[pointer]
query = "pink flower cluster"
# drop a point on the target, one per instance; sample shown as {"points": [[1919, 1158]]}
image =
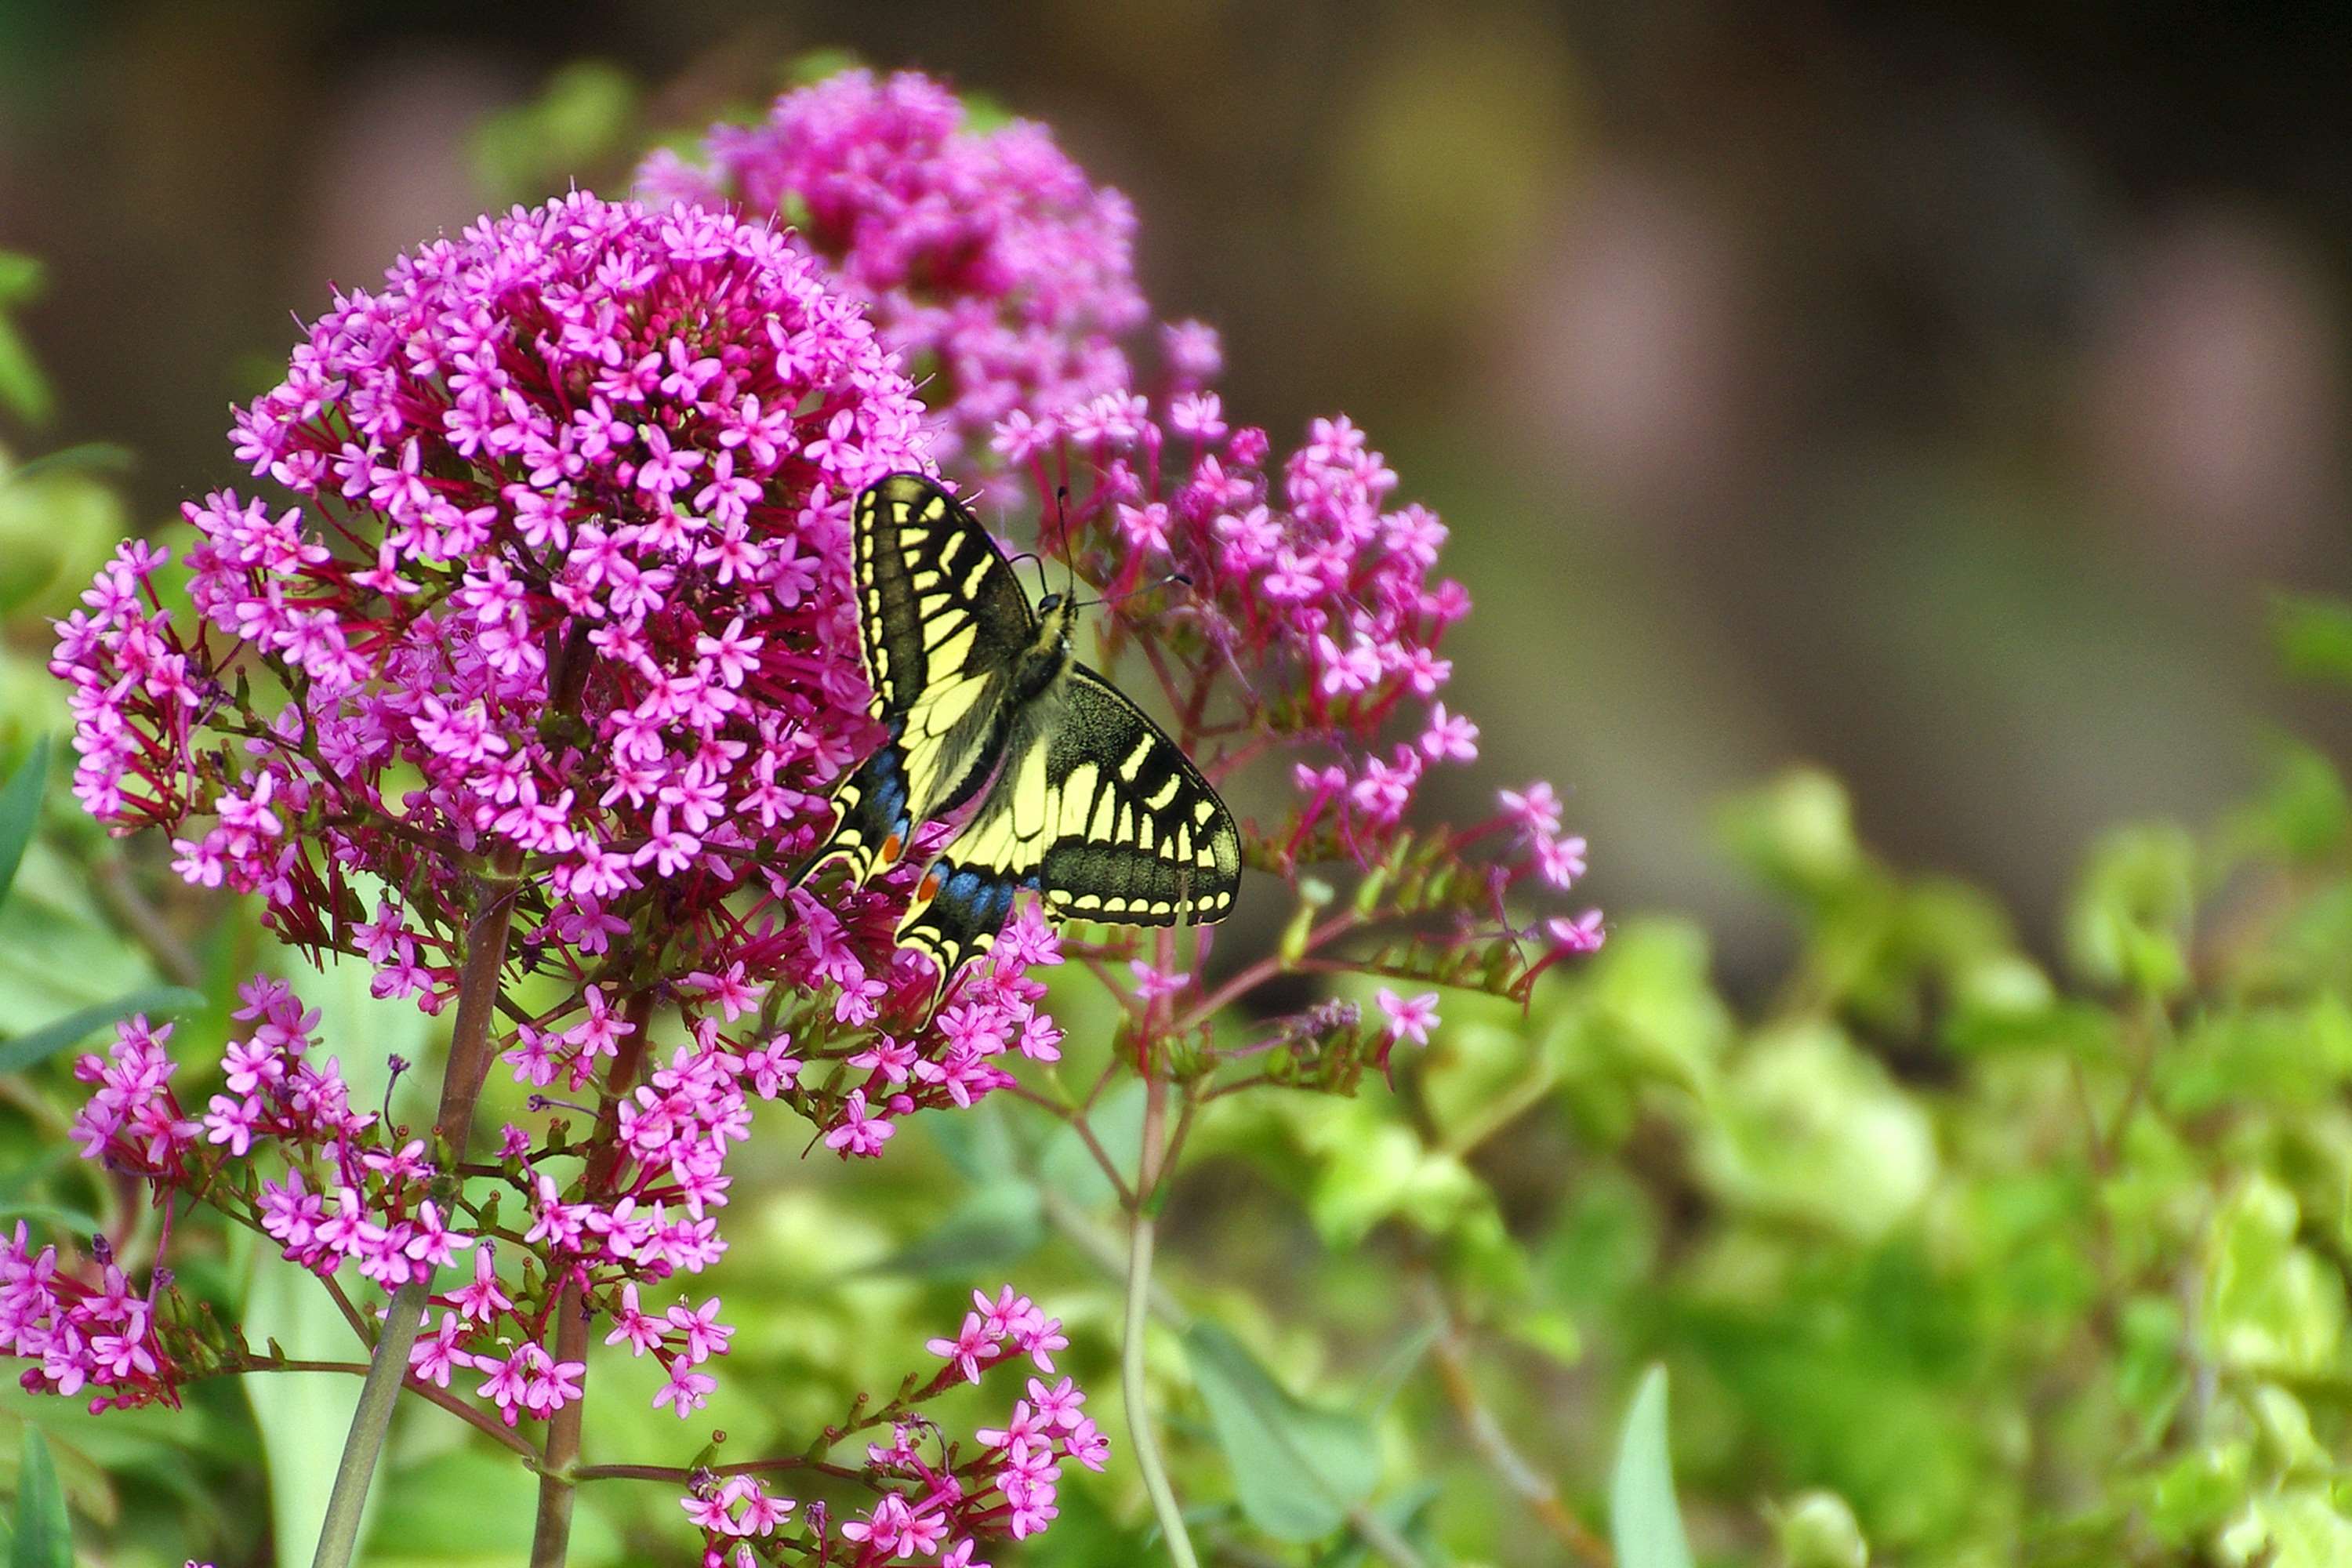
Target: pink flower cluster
{"points": [[937, 1508], [567, 584], [559, 598], [78, 1335], [345, 1189], [1311, 618], [566, 581], [986, 257], [1312, 586]]}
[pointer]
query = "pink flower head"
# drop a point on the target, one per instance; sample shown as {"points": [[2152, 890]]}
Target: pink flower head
{"points": [[491, 462], [986, 257]]}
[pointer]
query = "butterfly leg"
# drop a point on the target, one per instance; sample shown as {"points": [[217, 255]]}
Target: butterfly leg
{"points": [[871, 829], [955, 916]]}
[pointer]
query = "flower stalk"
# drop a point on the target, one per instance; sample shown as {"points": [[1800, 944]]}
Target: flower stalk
{"points": [[461, 1089], [1141, 1234]]}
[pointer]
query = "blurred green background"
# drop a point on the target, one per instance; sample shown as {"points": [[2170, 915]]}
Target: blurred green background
{"points": [[1936, 394]]}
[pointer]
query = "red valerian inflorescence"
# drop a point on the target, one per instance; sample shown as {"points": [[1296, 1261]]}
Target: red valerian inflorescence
{"points": [[558, 603], [987, 254]]}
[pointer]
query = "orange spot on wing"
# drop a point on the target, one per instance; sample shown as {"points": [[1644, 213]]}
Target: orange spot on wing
{"points": [[889, 855], [931, 887]]}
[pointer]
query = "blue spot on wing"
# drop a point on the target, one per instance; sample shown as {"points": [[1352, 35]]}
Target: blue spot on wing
{"points": [[963, 918]]}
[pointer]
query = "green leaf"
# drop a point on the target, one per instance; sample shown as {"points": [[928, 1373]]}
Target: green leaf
{"points": [[41, 1534], [2128, 925], [2314, 636], [1807, 1127], [155, 1000], [1818, 1529], [991, 1229], [2270, 1305], [20, 812], [23, 390], [1644, 1525], [586, 115], [59, 1218], [1298, 1470], [304, 1416], [85, 456], [1796, 833]]}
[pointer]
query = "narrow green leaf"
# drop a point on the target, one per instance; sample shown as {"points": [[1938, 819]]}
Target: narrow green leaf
{"points": [[42, 1534], [62, 1220], [20, 812], [155, 1000], [84, 457], [1644, 1525], [1298, 1470], [304, 1417], [28, 1175]]}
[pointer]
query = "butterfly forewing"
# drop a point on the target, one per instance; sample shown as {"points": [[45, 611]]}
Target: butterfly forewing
{"points": [[942, 620]]}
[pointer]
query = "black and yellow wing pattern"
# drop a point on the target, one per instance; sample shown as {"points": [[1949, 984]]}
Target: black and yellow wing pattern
{"points": [[943, 622], [1086, 801]]}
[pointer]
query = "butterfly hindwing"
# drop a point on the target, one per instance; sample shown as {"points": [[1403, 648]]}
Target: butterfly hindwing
{"points": [[1098, 811], [942, 621], [1138, 836], [956, 913]]}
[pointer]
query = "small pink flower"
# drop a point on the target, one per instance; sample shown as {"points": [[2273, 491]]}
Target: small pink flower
{"points": [[687, 1390], [1409, 1019]]}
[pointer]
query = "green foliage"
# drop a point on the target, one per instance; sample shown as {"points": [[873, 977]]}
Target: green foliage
{"points": [[24, 389], [585, 118], [158, 1002], [20, 811], [1297, 1469], [1643, 1523], [39, 1533]]}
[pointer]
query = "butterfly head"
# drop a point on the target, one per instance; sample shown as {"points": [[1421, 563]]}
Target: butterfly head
{"points": [[1049, 654], [1057, 616]]}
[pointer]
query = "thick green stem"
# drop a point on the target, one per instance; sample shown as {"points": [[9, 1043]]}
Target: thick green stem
{"points": [[1139, 1311], [461, 1087]]}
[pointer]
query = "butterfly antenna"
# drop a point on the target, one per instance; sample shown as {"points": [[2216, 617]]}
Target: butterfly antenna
{"points": [[1044, 584], [1138, 588], [1062, 527]]}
